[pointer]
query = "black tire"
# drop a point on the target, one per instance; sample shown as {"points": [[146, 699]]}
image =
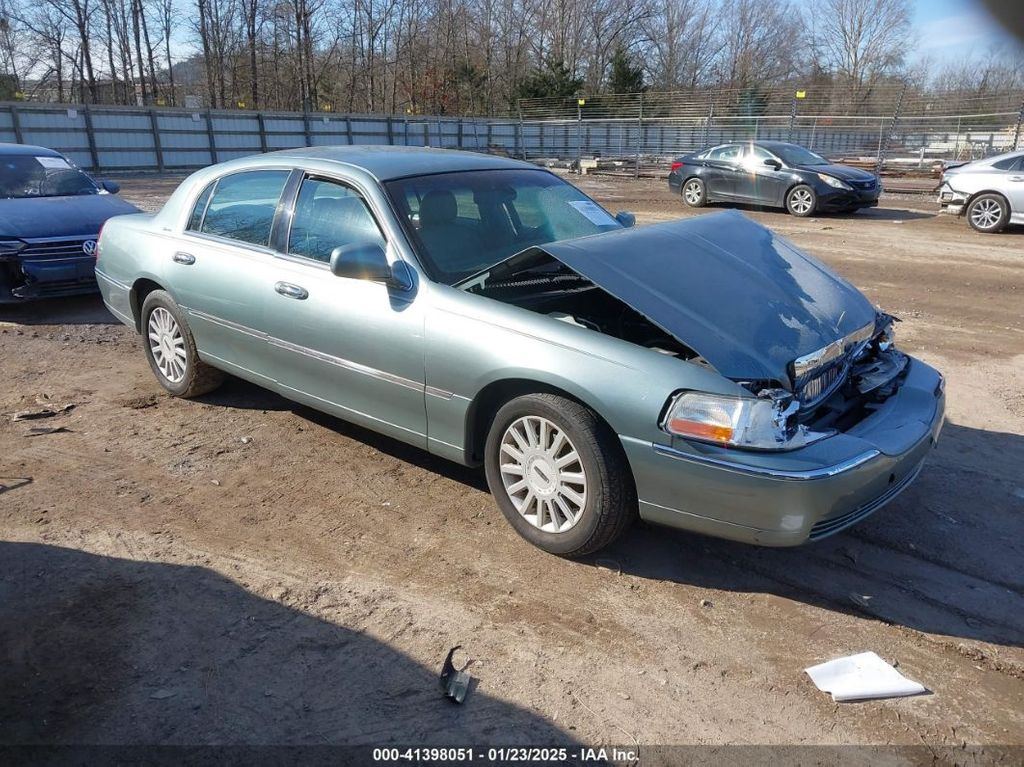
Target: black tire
{"points": [[610, 505], [988, 213], [197, 377], [801, 201], [698, 193]]}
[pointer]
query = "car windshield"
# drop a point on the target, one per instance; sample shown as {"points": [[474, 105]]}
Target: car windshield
{"points": [[797, 155], [463, 223], [24, 175]]}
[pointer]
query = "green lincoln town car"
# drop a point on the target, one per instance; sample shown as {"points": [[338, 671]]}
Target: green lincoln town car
{"points": [[702, 374]]}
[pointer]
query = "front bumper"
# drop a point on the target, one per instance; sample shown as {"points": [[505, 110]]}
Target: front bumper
{"points": [[27, 279], [951, 201], [784, 499], [830, 198]]}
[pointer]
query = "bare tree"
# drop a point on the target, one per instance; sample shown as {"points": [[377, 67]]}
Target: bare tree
{"points": [[859, 41]]}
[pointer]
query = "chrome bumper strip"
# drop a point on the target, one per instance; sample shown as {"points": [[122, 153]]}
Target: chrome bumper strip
{"points": [[761, 471]]}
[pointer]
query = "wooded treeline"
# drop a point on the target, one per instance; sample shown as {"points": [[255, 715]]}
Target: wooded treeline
{"points": [[455, 56]]}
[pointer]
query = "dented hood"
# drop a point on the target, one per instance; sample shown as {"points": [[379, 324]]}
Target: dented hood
{"points": [[732, 290]]}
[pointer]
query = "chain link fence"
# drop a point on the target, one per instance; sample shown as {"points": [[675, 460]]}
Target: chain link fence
{"points": [[889, 126]]}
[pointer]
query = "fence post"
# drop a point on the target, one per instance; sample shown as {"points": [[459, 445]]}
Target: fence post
{"points": [[305, 125], [520, 147], [1016, 130], [639, 136], [210, 137], [348, 128], [16, 124], [707, 124], [262, 124], [579, 137], [956, 143], [157, 145], [391, 131], [792, 119], [91, 136], [458, 134], [892, 128]]}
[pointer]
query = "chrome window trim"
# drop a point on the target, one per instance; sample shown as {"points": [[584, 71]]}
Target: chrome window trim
{"points": [[760, 471]]}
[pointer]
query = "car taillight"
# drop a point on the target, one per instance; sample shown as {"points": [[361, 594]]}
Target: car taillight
{"points": [[677, 165]]}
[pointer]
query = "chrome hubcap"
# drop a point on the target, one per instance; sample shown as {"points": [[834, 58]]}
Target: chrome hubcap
{"points": [[986, 213], [166, 344], [692, 193], [543, 474], [800, 201]]}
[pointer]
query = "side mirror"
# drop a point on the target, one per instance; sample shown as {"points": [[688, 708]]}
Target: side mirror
{"points": [[771, 162], [111, 186], [626, 219], [367, 261]]}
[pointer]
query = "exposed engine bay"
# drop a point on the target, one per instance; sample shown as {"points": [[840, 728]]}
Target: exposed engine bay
{"points": [[562, 294]]}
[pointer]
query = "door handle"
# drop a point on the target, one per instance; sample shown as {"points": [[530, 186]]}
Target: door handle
{"points": [[288, 290], [184, 258], [1016, 178]]}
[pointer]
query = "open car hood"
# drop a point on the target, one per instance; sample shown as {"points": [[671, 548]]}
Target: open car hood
{"points": [[736, 293]]}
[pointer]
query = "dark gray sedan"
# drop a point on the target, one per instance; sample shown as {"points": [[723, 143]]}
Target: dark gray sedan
{"points": [[772, 173]]}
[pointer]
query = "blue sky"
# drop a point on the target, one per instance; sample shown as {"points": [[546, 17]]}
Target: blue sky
{"points": [[956, 28]]}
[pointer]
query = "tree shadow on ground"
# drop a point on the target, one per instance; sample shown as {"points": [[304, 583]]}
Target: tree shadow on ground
{"points": [[96, 649], [72, 310]]}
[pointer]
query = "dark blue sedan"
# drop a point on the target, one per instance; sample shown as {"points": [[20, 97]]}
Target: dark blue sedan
{"points": [[775, 174], [50, 218]]}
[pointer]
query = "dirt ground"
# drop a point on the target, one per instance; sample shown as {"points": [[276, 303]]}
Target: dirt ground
{"points": [[240, 569]]}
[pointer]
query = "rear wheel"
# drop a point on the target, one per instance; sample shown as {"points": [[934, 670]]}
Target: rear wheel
{"points": [[558, 475], [171, 350], [988, 213], [801, 201], [694, 193]]}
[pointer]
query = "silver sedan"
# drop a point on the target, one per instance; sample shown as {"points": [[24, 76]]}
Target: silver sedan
{"points": [[702, 374], [989, 192]]}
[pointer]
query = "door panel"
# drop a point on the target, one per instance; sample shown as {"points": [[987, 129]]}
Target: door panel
{"points": [[723, 168], [221, 289], [759, 183], [220, 264], [350, 346]]}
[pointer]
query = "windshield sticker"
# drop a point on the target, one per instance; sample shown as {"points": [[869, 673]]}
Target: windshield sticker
{"points": [[53, 162], [594, 212]]}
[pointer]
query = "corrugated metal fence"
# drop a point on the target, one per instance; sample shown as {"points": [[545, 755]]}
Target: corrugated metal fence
{"points": [[636, 128], [104, 138]]}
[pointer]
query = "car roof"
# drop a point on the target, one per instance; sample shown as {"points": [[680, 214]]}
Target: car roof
{"points": [[391, 162], [28, 149]]}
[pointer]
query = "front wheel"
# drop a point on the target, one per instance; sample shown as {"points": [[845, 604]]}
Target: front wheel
{"points": [[559, 475], [171, 350], [801, 201], [988, 213]]}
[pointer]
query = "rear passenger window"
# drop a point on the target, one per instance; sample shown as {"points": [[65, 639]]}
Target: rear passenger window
{"points": [[199, 210], [242, 206], [329, 215], [1010, 163]]}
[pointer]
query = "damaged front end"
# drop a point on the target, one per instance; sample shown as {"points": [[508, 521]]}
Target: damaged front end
{"points": [[727, 294], [950, 200], [37, 269]]}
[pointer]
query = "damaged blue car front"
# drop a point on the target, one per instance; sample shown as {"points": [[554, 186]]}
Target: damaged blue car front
{"points": [[50, 218]]}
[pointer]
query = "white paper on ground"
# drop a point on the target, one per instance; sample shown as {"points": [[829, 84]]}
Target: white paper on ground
{"points": [[865, 675]]}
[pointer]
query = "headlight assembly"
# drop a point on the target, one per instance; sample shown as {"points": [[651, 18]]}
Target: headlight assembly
{"points": [[764, 422], [835, 182]]}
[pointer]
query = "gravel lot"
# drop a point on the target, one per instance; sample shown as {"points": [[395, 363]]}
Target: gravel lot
{"points": [[240, 569]]}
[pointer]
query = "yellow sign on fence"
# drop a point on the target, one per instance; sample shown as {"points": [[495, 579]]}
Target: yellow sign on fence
{"points": [[801, 94]]}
